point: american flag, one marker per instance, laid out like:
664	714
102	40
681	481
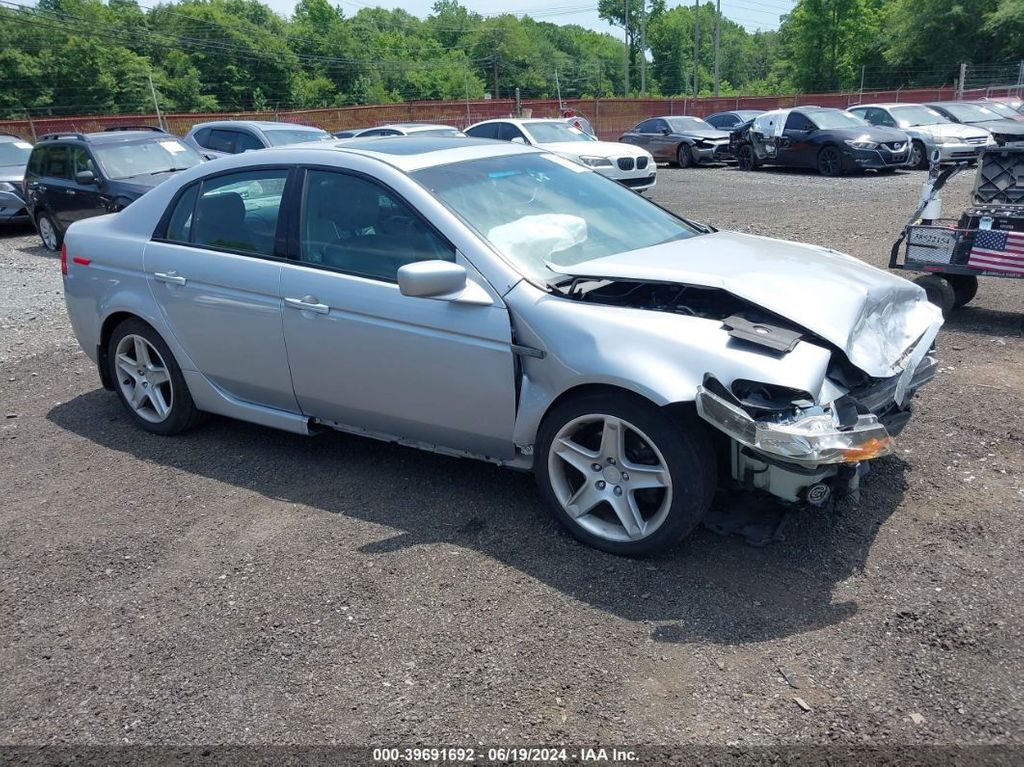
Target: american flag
998	252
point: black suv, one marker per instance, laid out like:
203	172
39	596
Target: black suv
71	176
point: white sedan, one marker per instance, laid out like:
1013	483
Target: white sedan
629	165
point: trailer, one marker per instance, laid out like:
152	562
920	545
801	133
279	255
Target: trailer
986	241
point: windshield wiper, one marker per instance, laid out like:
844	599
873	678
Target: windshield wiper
166	170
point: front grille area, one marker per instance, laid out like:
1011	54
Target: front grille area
635	182
641	163
976	140
895	146
625	163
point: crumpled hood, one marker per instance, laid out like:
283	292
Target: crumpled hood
607	149
873	316
709	135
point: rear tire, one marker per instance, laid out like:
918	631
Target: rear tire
623	475
939	290
49	232
965	288
148	380
745	157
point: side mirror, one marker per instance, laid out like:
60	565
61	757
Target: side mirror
665	131
85	177
518	140
432	279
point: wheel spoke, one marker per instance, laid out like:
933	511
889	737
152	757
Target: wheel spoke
157	376
642	476
142	353
156	397
629	514
127	365
583	500
138	396
576	455
613	440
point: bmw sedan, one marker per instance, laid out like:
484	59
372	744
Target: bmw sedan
498	302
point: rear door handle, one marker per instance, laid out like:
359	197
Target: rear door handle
170	278
308	303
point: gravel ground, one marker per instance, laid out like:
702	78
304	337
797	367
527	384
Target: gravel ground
240	585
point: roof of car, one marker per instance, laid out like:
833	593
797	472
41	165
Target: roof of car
8	137
109	136
411	153
261	124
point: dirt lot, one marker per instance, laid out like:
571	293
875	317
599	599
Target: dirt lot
247	586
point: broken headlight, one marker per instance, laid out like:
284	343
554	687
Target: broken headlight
811	436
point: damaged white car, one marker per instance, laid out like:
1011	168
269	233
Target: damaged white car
502	303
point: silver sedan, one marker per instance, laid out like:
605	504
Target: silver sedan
493	301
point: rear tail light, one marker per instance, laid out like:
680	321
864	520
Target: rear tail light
64	259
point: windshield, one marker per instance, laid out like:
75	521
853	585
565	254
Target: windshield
1002	110
152	157
14	152
554	132
970	113
540	208
684	124
908	117
280	137
829	119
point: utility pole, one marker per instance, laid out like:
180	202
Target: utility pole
465	74
696	48
643	47
152	90
961	84
718	36
494	61
861	99
625	73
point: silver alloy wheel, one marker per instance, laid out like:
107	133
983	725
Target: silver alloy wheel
610	477
144	379
47	233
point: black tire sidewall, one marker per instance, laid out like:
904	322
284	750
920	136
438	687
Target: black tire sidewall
833	150
183	410
921	164
684	156
682	440
56	231
939	291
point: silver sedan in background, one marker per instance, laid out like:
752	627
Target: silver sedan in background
499	302
928	131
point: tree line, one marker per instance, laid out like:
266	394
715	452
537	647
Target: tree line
90	56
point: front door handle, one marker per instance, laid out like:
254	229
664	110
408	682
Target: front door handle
308	303
170	277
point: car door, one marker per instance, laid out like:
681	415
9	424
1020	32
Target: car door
83	200
214	269
796	148
662	142
365	357
52	189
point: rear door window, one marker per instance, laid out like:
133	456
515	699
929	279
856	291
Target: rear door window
222	141
236	211
487	130
55	162
245	142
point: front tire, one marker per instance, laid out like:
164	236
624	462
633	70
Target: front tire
148	381
918	156
49	232
623	475
684	156
830	161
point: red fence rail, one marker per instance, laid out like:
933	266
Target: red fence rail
610	117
